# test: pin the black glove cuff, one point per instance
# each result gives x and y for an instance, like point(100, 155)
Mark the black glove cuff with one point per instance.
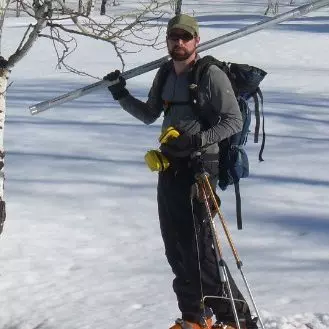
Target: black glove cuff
point(118, 94)
point(197, 141)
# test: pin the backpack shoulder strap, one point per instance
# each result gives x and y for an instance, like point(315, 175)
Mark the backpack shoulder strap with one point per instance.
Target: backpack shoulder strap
point(202, 65)
point(163, 73)
point(199, 69)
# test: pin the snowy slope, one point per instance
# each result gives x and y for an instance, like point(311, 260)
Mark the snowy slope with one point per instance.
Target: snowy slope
point(81, 246)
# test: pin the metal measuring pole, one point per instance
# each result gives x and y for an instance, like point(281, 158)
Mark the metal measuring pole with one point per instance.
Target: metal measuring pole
point(300, 11)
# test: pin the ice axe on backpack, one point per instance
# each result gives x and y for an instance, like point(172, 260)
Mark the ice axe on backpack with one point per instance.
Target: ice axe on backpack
point(267, 22)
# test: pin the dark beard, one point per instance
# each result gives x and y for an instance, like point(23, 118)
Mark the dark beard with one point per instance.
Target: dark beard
point(182, 55)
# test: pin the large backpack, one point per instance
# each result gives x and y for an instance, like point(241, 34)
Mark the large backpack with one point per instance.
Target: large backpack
point(245, 80)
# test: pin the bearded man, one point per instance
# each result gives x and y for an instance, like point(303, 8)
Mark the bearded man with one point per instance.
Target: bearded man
point(183, 218)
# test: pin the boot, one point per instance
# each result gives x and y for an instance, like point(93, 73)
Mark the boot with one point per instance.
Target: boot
point(183, 324)
point(249, 323)
point(229, 325)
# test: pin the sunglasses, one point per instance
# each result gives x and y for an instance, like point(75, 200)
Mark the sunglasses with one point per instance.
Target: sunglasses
point(174, 36)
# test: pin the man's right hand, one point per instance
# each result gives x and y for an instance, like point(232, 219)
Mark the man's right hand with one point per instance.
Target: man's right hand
point(118, 89)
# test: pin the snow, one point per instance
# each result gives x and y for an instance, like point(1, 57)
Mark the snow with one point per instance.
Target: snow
point(81, 247)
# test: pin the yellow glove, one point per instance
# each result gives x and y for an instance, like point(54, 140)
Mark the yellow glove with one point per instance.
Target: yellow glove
point(168, 134)
point(154, 159)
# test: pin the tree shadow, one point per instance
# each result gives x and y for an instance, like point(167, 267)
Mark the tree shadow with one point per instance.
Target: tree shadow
point(289, 180)
point(319, 24)
point(281, 101)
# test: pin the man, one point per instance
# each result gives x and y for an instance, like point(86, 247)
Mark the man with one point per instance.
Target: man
point(185, 230)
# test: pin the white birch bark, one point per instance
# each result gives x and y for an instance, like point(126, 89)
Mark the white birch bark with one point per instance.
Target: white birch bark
point(5, 67)
point(4, 74)
point(3, 4)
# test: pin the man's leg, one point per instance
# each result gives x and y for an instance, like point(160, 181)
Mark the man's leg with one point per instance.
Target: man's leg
point(176, 222)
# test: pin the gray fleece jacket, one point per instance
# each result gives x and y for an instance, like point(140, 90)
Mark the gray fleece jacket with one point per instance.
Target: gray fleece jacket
point(216, 99)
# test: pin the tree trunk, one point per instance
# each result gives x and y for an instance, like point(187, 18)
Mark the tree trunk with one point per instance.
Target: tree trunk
point(5, 67)
point(103, 7)
point(273, 6)
point(3, 8)
point(4, 74)
point(18, 9)
point(90, 6)
point(80, 10)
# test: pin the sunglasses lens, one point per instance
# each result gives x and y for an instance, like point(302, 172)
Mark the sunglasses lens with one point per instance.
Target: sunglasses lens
point(180, 36)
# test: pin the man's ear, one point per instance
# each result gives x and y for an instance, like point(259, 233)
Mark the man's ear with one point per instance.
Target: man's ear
point(197, 40)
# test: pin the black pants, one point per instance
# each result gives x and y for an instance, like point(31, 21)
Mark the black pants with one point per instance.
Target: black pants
point(178, 218)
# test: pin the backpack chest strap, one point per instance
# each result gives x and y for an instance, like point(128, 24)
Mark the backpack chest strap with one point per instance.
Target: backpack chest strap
point(168, 104)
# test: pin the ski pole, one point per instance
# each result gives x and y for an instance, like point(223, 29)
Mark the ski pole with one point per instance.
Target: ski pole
point(218, 250)
point(299, 11)
point(234, 251)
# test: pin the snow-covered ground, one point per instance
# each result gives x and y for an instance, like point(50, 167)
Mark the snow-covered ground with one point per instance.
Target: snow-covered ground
point(81, 247)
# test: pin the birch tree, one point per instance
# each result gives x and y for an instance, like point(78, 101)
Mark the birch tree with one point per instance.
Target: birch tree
point(272, 7)
point(49, 17)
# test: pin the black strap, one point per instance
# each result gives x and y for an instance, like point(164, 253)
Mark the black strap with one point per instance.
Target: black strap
point(162, 78)
point(258, 93)
point(260, 156)
point(257, 117)
point(2, 214)
point(238, 205)
point(200, 67)
point(167, 105)
point(179, 103)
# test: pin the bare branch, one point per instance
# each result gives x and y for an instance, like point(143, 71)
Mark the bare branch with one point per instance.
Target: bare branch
point(59, 40)
point(24, 47)
point(71, 31)
point(119, 31)
point(24, 37)
point(2, 19)
point(4, 92)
